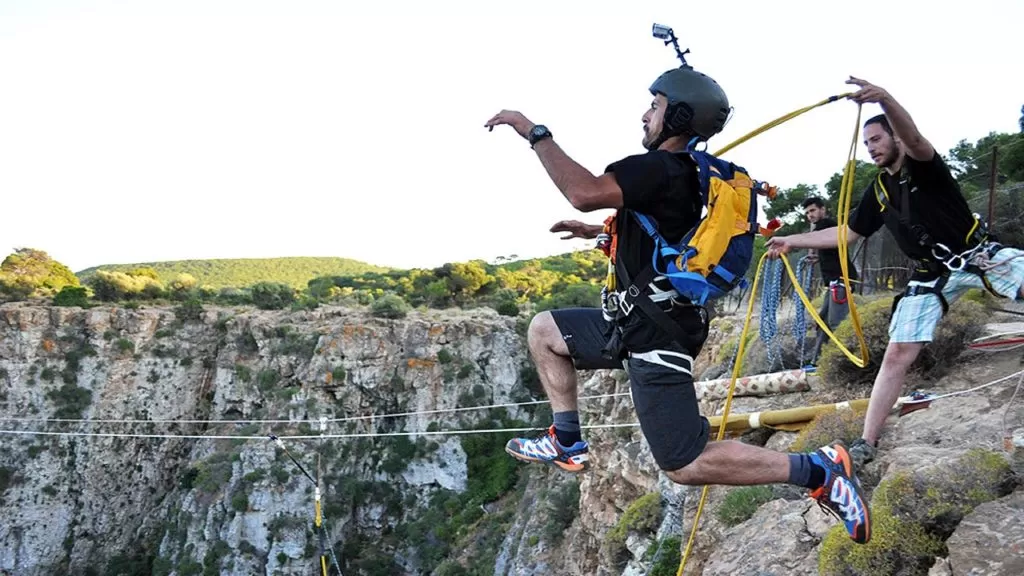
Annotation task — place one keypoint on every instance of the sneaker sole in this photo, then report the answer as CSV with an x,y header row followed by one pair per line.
x,y
574,468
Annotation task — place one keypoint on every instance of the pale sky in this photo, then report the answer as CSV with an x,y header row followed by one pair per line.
x,y
143,131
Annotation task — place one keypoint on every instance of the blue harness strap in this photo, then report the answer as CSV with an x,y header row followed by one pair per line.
x,y
669,260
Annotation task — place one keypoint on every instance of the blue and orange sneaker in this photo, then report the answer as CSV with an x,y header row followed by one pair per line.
x,y
841,494
546,449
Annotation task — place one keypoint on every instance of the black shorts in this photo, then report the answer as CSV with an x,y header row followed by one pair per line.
x,y
664,396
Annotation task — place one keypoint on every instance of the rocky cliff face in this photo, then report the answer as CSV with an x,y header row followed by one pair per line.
x,y
176,475
138,493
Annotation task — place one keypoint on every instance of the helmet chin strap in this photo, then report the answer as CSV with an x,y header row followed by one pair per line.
x,y
672,124
666,134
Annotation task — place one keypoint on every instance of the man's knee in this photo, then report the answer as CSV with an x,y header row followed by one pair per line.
x,y
686,476
544,333
901,354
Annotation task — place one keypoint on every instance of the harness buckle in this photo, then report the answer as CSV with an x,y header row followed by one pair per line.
x,y
943,258
623,305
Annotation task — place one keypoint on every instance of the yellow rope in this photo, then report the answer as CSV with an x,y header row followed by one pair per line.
x,y
844,207
318,517
779,120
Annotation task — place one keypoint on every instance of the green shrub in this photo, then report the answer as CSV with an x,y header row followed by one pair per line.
x,y
338,375
272,295
189,311
240,501
267,379
70,400
938,498
444,356
243,373
72,296
964,322
827,427
913,513
641,516
741,503
507,308
389,306
668,553
897,546
6,478
563,508
213,473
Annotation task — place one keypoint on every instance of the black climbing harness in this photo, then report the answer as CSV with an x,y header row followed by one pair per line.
x,y
617,307
943,260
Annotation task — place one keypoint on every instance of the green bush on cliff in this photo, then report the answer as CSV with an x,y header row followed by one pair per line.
x,y
389,306
897,546
912,515
642,516
71,296
964,322
827,427
665,556
741,503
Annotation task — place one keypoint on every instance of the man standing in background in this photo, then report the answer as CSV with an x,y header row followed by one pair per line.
x,y
834,307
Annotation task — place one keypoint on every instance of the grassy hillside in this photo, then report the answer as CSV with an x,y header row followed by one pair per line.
x,y
242,272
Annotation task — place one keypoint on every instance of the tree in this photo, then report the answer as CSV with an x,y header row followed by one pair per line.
x,y
31,272
114,286
182,286
272,295
971,164
787,203
864,174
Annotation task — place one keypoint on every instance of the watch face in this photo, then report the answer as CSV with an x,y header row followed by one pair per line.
x,y
538,130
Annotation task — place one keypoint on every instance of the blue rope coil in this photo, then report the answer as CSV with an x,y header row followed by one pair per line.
x,y
804,271
771,276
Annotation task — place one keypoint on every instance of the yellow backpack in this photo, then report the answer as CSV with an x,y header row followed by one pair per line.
x,y
712,259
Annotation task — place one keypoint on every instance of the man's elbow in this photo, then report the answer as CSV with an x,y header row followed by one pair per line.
x,y
584,202
919,149
595,197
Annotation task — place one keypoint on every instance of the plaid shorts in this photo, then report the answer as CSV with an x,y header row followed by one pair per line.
x,y
917,316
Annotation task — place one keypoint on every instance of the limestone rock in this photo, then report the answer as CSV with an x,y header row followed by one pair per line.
x,y
990,540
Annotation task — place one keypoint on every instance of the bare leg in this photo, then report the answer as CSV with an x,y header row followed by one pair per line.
x,y
734,463
888,384
554,366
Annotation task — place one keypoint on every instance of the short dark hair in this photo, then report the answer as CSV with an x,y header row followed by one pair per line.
x,y
814,201
882,121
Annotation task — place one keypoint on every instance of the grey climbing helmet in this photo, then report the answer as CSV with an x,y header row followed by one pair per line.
x,y
697,105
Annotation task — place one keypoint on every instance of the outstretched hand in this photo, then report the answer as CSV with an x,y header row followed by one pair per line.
x,y
521,124
575,229
868,92
777,245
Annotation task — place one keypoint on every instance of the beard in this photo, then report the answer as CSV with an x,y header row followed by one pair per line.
x,y
889,159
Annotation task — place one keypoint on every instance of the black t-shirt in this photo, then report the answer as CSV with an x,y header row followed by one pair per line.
x,y
663,186
936,204
828,258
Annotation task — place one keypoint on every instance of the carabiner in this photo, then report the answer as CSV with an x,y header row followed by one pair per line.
x,y
956,258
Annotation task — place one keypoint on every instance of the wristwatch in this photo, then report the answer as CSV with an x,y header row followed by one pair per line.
x,y
538,133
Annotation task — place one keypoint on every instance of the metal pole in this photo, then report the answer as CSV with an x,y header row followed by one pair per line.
x,y
992,183
863,265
